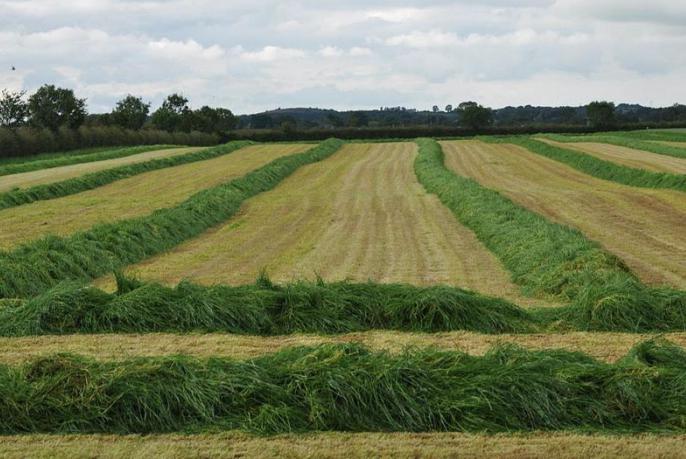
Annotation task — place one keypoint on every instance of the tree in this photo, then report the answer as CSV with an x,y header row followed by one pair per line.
x,y
600,114
130,113
474,116
358,119
212,120
261,121
448,108
435,109
173,115
13,109
52,107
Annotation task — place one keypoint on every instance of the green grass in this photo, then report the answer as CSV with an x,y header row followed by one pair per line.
x,y
93,180
350,388
37,266
596,167
261,308
50,160
638,140
265,309
551,259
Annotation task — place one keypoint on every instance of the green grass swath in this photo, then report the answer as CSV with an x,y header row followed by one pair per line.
x,y
350,388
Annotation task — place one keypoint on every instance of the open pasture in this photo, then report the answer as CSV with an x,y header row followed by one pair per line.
x,y
534,344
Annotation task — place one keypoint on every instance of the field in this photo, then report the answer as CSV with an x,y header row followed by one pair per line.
x,y
519,297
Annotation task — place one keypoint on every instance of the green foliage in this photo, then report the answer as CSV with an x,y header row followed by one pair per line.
x,y
549,259
37,266
474,116
14,111
601,114
262,308
51,107
85,182
173,115
606,170
348,387
130,113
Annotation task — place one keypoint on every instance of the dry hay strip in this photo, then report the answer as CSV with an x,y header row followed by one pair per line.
x,y
608,347
346,445
629,157
56,174
132,197
644,227
359,215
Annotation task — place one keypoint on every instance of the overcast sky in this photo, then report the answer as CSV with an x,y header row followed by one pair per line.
x,y
251,55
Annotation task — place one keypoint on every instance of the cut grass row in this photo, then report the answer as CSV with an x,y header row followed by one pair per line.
x,y
93,180
266,309
51,160
596,167
39,265
351,388
646,141
548,258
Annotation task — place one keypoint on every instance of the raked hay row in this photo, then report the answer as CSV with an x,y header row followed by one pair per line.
x,y
496,296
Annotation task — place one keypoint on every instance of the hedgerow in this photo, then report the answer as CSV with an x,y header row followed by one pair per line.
x,y
347,387
39,265
548,259
93,180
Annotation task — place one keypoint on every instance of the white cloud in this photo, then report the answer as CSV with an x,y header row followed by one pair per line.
x,y
272,53
251,55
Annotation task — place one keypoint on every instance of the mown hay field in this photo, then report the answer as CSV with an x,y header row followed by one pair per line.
x,y
401,299
644,227
54,174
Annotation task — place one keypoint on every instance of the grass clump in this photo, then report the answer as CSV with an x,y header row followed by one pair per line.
x,y
37,266
50,160
93,180
262,308
606,170
349,388
546,258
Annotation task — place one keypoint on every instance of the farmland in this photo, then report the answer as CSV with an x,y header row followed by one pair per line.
x,y
501,296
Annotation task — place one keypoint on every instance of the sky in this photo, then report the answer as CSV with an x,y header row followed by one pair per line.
x,y
254,55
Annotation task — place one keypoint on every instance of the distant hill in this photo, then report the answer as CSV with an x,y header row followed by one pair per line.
x,y
309,118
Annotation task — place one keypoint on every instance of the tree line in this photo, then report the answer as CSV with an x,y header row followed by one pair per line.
x,y
51,107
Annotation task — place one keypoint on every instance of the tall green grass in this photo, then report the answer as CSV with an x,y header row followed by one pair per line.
x,y
596,167
635,140
51,160
549,259
350,388
97,179
39,265
262,308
